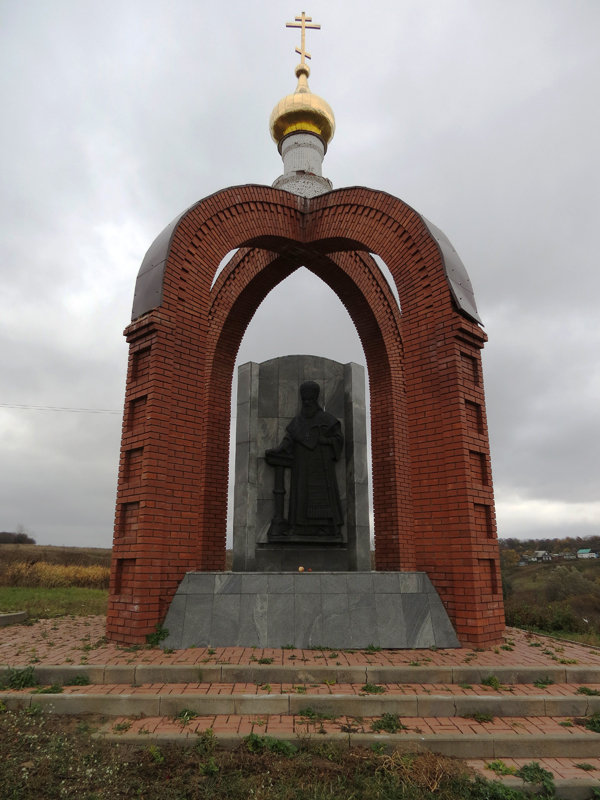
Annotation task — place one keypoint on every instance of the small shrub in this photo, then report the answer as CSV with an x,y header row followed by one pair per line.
x,y
78,680
543,683
390,723
160,633
373,688
260,744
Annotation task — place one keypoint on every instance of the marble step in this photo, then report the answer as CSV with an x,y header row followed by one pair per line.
x,y
354,700
519,737
310,673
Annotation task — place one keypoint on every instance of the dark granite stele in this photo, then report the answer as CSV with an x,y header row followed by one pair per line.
x,y
325,609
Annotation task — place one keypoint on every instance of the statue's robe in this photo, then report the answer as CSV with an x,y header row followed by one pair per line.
x,y
315,506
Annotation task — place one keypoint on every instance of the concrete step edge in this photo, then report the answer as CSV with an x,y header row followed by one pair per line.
x,y
485,746
429,705
277,673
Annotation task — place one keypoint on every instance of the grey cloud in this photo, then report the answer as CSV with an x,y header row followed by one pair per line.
x,y
119,116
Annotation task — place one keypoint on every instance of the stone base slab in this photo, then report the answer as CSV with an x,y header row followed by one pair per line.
x,y
329,609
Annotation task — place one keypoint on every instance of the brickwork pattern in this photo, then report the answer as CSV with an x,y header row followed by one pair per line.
x,y
433,499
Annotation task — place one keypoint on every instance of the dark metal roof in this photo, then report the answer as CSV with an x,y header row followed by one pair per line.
x,y
456,273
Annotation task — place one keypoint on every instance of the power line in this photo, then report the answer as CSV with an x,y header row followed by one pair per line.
x,y
60,408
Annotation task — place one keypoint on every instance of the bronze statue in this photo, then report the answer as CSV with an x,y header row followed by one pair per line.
x,y
312,444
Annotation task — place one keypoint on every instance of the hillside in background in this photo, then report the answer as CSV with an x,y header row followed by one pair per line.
x,y
65,556
566,545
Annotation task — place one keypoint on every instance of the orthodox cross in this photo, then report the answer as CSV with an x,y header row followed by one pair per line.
x,y
303,23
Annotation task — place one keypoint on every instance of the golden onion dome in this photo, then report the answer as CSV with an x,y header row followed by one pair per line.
x,y
302,111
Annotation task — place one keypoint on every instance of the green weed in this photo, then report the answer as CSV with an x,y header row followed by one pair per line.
x,y
21,678
390,723
480,716
493,682
78,680
593,723
260,744
538,776
373,688
209,768
122,727
206,744
156,754
500,768
185,715
160,633
56,688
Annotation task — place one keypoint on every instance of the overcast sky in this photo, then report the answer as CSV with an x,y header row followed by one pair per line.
x,y
117,115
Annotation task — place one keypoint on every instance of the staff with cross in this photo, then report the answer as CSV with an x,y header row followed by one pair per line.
x,y
303,23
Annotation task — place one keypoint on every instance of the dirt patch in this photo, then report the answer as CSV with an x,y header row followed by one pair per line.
x,y
52,757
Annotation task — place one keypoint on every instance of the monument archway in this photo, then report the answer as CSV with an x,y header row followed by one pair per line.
x,y
432,494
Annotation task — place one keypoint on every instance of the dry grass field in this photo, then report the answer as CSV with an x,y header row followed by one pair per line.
x,y
65,556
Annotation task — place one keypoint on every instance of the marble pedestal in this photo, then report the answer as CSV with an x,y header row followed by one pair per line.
x,y
329,609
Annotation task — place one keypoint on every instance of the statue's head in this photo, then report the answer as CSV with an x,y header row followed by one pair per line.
x,y
309,392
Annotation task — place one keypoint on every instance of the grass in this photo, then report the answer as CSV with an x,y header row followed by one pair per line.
x,y
51,576
48,603
558,599
48,756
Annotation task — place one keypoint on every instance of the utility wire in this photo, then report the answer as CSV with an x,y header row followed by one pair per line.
x,y
59,408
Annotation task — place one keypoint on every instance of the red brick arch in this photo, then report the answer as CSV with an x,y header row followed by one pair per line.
x,y
433,499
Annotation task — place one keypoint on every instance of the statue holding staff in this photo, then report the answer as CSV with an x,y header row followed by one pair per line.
x,y
312,444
